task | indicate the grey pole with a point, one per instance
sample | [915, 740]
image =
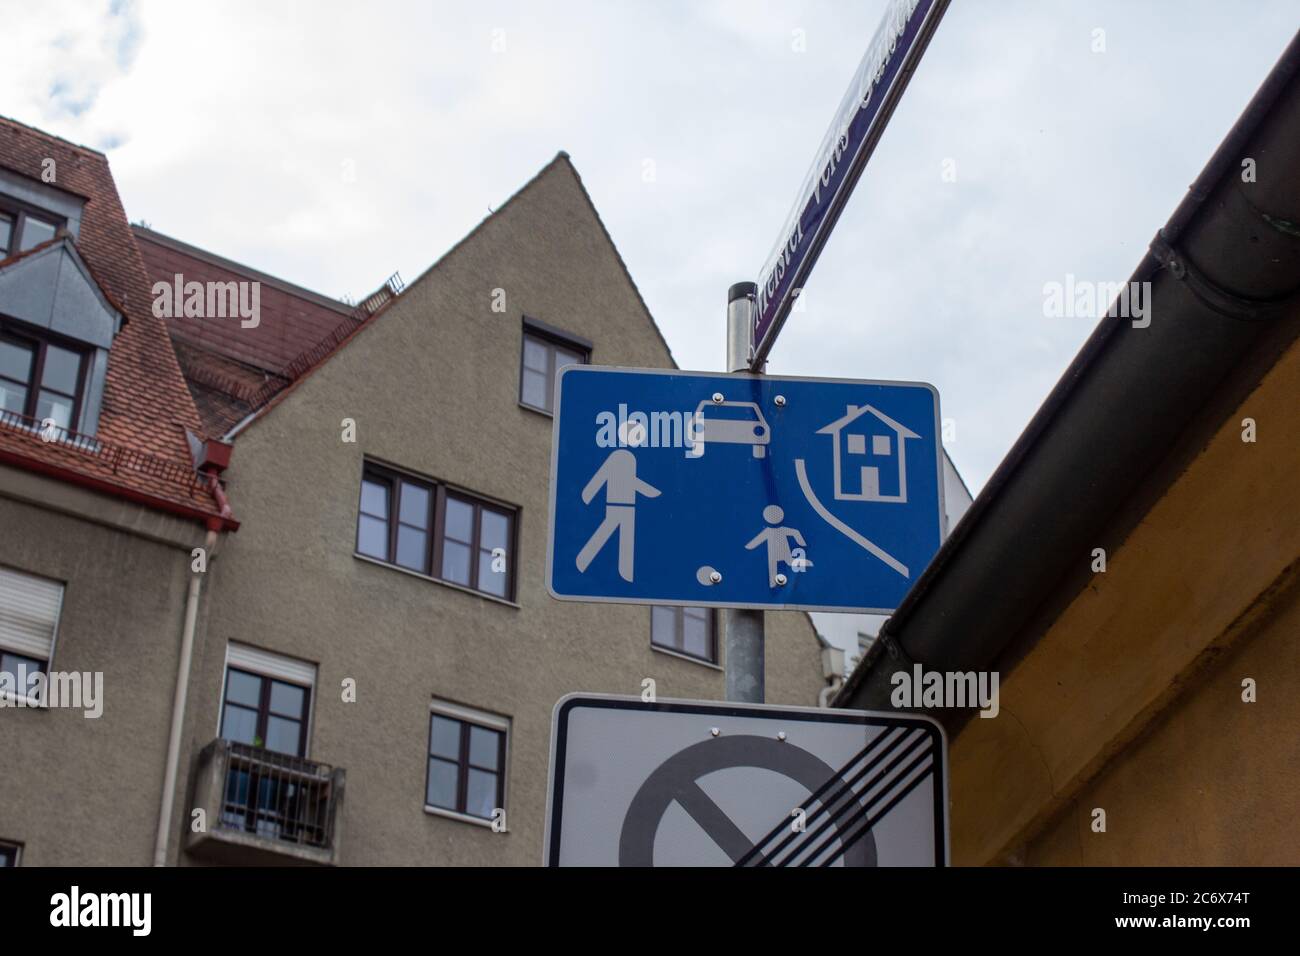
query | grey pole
[745, 640]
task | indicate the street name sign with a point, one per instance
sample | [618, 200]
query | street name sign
[690, 783]
[881, 77]
[755, 491]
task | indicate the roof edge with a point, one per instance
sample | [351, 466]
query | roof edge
[148, 234]
[1121, 356]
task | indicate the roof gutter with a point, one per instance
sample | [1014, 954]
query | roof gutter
[1223, 273]
[223, 521]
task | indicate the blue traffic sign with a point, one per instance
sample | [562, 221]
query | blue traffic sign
[702, 489]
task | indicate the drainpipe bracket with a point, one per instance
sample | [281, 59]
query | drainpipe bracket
[1212, 296]
[894, 651]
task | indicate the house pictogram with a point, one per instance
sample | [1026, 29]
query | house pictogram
[870, 457]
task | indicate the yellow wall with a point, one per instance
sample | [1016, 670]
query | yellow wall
[1215, 781]
[1131, 701]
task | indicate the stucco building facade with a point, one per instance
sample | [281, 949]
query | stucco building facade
[364, 671]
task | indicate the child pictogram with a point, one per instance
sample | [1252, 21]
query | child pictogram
[778, 538]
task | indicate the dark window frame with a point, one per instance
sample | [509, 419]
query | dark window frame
[19, 213]
[435, 532]
[11, 854]
[463, 765]
[21, 334]
[264, 712]
[679, 632]
[551, 339]
[44, 668]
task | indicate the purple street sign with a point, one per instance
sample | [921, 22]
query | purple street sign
[879, 81]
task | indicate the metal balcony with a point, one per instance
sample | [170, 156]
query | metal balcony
[265, 808]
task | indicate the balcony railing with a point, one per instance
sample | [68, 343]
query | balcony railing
[265, 807]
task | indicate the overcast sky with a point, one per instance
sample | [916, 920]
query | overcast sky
[333, 143]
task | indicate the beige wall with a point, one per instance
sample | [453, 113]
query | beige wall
[1131, 701]
[1216, 780]
[433, 387]
[87, 791]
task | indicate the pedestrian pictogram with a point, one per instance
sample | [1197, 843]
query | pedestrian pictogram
[618, 477]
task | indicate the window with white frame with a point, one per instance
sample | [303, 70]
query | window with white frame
[266, 700]
[467, 754]
[29, 622]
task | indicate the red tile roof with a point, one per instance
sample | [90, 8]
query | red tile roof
[292, 319]
[233, 371]
[142, 448]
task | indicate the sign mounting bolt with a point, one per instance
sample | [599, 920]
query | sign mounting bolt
[781, 735]
[781, 579]
[717, 398]
[715, 577]
[780, 400]
[714, 731]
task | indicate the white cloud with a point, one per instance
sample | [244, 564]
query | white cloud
[233, 122]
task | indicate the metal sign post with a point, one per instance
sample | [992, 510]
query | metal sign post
[746, 643]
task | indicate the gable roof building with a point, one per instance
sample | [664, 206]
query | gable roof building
[376, 640]
[394, 506]
[110, 506]
[86, 290]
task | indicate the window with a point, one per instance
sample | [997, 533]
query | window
[29, 621]
[9, 854]
[431, 529]
[20, 672]
[266, 700]
[405, 540]
[864, 643]
[21, 230]
[467, 760]
[686, 630]
[545, 352]
[40, 379]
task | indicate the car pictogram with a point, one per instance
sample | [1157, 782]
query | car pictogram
[729, 423]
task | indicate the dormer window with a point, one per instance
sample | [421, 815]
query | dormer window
[40, 379]
[57, 325]
[21, 230]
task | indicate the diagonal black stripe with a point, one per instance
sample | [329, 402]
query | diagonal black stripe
[847, 795]
[877, 817]
[836, 781]
[720, 827]
[919, 744]
[852, 837]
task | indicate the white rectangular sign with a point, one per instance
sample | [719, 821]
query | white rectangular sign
[693, 783]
